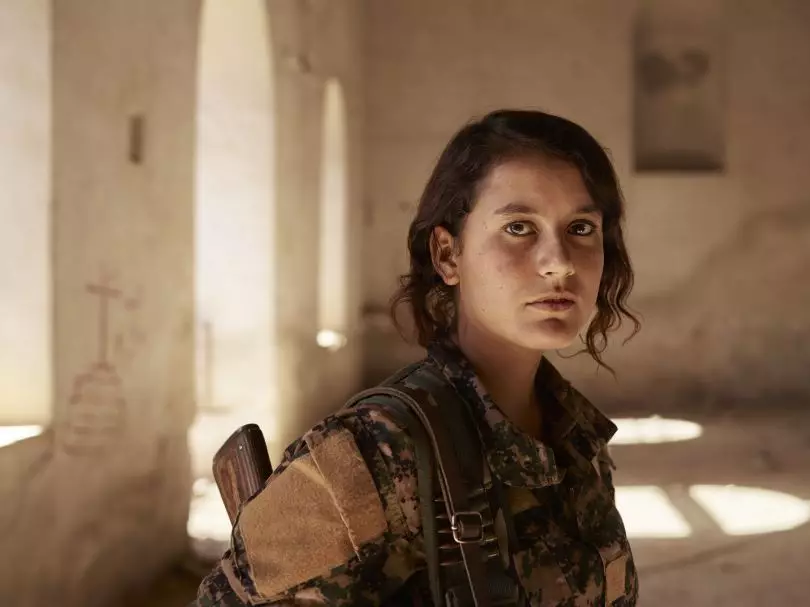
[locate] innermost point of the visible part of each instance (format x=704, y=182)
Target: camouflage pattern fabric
x=571, y=547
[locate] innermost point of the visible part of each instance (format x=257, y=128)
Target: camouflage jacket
x=338, y=522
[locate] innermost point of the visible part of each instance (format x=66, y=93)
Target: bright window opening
x=234, y=209
x=208, y=523
x=333, y=304
x=235, y=247
x=331, y=340
x=14, y=434
x=26, y=374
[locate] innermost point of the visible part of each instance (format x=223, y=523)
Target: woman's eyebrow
x=520, y=208
x=587, y=209
x=516, y=208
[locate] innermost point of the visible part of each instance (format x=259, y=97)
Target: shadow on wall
x=736, y=333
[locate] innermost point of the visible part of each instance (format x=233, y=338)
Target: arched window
x=234, y=244
x=26, y=325
x=333, y=304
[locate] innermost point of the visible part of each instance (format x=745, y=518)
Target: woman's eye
x=582, y=228
x=519, y=228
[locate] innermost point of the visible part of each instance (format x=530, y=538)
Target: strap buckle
x=467, y=527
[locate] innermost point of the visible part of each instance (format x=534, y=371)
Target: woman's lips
x=554, y=305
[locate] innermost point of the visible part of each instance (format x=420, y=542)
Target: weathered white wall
x=313, y=42
x=25, y=260
x=718, y=257
x=98, y=503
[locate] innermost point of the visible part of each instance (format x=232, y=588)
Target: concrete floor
x=713, y=567
x=701, y=536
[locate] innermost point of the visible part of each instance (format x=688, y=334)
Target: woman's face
x=530, y=262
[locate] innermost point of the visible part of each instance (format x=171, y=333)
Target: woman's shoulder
x=371, y=417
x=344, y=492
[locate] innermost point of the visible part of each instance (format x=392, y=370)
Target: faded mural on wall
x=679, y=88
x=97, y=406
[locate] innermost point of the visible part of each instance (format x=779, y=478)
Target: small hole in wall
x=136, y=138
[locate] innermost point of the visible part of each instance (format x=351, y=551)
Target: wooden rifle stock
x=241, y=467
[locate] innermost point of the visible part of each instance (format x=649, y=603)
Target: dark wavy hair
x=451, y=192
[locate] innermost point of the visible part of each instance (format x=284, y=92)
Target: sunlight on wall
x=235, y=278
x=25, y=206
x=208, y=525
x=333, y=304
x=655, y=429
x=331, y=340
x=14, y=434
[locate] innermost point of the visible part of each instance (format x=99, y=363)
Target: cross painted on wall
x=105, y=293
x=96, y=414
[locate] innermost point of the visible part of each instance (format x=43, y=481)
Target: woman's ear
x=443, y=252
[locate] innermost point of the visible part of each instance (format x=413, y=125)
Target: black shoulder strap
x=435, y=451
x=402, y=415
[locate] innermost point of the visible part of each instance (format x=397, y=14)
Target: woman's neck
x=507, y=372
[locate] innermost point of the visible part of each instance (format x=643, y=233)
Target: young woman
x=516, y=250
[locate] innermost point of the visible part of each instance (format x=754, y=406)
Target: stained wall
x=97, y=504
x=718, y=254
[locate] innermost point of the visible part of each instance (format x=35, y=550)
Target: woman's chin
x=550, y=334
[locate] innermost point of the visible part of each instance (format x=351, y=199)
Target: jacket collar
x=517, y=458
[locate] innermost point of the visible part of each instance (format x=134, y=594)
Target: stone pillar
x=123, y=146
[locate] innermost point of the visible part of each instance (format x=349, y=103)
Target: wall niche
x=679, y=86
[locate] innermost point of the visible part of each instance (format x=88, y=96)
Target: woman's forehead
x=533, y=185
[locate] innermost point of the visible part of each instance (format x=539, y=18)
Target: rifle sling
x=454, y=489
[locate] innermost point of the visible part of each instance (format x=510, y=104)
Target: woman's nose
x=554, y=260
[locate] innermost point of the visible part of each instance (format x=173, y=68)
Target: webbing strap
x=467, y=447
x=453, y=486
x=425, y=480
x=452, y=460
